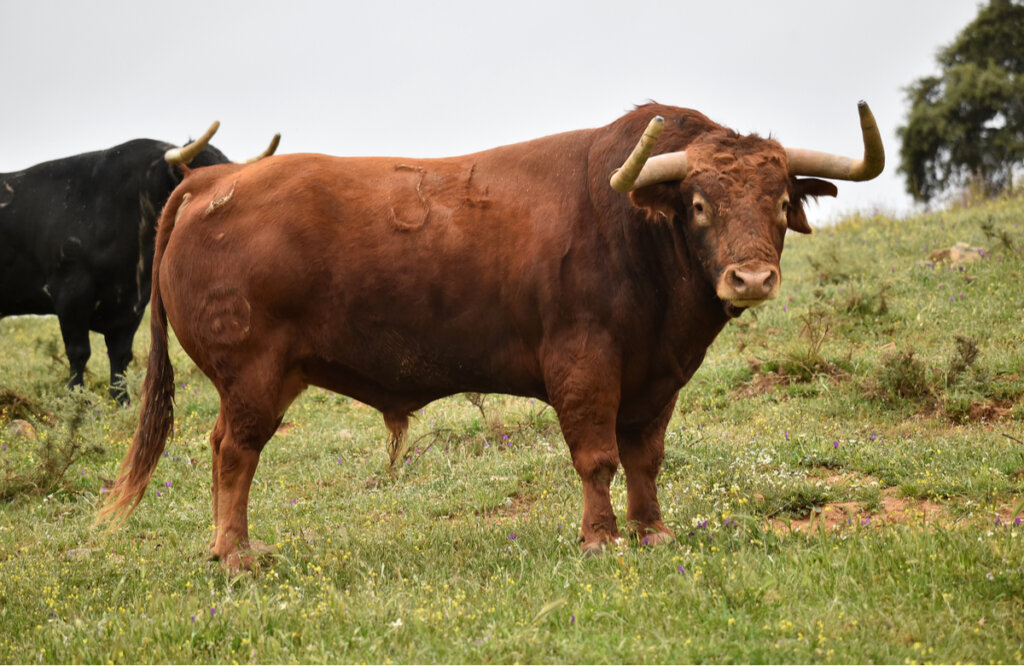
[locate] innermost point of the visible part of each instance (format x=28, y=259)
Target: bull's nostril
x=753, y=284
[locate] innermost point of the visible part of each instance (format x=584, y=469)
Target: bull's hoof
x=240, y=562
x=120, y=395
x=653, y=535
x=652, y=539
x=596, y=547
x=251, y=558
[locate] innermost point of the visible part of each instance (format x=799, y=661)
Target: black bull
x=76, y=240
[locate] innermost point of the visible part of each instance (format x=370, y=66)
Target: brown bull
x=515, y=270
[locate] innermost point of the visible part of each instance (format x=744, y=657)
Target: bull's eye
x=701, y=211
x=783, y=212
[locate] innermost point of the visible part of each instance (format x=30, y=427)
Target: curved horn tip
x=624, y=178
x=208, y=134
x=271, y=149
x=827, y=165
x=864, y=110
x=187, y=153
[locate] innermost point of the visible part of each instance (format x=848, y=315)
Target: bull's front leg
x=642, y=450
x=584, y=390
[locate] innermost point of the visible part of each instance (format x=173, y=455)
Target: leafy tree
x=968, y=122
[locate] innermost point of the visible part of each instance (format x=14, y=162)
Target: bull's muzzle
x=747, y=285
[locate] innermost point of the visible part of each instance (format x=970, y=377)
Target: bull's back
x=86, y=215
x=414, y=277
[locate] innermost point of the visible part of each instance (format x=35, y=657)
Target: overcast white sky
x=430, y=79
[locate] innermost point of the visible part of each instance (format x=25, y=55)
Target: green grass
x=875, y=376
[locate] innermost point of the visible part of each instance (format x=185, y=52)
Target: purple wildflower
x=572, y=620
x=680, y=569
x=512, y=536
x=835, y=444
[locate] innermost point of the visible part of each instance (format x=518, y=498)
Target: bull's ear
x=812, y=187
x=659, y=201
x=803, y=188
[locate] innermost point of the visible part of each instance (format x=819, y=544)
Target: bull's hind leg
x=235, y=458
x=119, y=350
x=236, y=466
x=73, y=306
x=249, y=415
x=641, y=450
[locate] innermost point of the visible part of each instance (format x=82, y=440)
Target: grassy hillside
x=844, y=474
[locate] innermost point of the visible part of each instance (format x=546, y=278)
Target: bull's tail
x=156, y=417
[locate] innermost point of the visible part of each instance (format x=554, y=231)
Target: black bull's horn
x=186, y=154
x=640, y=170
x=266, y=153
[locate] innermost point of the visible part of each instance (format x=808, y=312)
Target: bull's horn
x=826, y=165
x=186, y=154
x=266, y=153
x=624, y=178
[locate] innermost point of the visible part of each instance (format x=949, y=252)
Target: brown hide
x=515, y=270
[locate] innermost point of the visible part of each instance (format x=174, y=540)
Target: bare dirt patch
x=891, y=509
x=765, y=382
x=994, y=410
